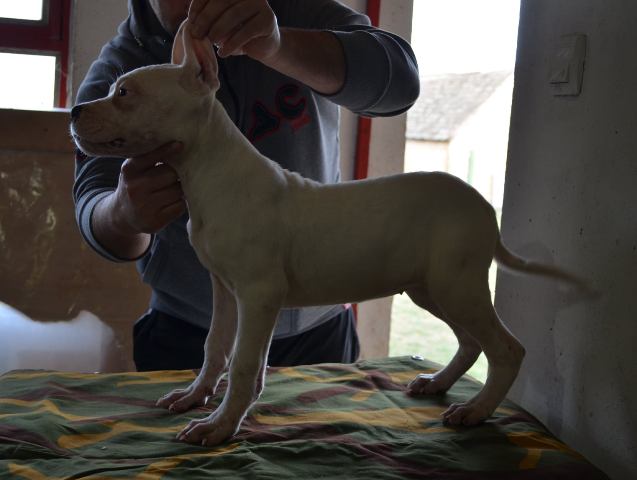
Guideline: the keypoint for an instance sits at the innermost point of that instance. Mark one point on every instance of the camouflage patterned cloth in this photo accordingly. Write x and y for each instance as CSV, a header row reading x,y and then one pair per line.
x,y
326,421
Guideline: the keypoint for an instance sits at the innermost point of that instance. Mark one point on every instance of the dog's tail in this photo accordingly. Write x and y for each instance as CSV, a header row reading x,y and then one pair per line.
x,y
516,264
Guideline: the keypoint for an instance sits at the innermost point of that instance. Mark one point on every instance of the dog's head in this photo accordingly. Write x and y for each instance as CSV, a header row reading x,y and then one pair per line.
x,y
152,105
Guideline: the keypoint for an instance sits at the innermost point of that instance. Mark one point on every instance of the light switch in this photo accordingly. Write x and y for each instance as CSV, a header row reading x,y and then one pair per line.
x,y
560,74
567,65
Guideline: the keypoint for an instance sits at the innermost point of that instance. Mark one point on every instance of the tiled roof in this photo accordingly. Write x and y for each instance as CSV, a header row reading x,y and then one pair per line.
x,y
446,101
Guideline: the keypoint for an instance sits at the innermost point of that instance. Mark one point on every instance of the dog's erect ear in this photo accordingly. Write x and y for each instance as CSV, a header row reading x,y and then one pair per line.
x,y
198,60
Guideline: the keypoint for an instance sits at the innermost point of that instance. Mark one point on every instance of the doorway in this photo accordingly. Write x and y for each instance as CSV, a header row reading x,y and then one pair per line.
x,y
460,124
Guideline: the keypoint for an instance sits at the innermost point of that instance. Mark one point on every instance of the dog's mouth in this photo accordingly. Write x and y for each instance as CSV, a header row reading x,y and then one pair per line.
x,y
118,142
117,147
115,143
112,147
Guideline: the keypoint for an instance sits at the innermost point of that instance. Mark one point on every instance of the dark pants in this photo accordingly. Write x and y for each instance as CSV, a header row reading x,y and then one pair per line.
x,y
163,342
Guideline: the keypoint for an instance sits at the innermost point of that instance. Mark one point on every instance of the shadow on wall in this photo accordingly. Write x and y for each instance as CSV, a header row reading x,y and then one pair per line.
x,y
546,338
83,344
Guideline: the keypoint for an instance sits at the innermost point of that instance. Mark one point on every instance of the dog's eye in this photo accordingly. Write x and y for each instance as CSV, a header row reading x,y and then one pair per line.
x,y
122,92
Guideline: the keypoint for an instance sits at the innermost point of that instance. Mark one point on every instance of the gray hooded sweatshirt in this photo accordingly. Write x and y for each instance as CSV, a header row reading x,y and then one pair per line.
x,y
284,119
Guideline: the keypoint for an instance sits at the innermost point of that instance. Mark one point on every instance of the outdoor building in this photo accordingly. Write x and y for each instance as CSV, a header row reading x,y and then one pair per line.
x,y
460,125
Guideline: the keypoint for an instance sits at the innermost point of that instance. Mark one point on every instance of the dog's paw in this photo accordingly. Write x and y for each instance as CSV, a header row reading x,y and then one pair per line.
x,y
210,431
182,399
427,384
466,413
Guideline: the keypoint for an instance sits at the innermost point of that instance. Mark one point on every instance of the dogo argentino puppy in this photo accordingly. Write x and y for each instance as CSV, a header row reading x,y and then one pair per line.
x,y
266,236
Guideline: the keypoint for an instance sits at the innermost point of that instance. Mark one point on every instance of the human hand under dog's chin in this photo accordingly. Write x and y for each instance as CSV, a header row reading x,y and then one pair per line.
x,y
148,195
237,27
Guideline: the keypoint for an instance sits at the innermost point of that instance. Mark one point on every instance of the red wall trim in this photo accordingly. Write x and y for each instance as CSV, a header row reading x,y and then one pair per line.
x,y
373,11
65,34
363,138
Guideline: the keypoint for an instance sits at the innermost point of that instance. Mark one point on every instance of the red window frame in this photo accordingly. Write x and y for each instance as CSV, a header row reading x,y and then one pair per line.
x,y
49,36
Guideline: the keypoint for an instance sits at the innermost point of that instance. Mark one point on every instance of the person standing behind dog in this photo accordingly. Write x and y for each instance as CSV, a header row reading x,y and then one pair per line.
x,y
285,66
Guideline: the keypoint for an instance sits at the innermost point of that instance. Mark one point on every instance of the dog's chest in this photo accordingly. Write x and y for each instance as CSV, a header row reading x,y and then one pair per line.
x,y
216,246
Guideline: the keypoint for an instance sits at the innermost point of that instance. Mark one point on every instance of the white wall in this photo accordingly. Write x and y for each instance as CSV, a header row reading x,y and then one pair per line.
x,y
571,198
95,22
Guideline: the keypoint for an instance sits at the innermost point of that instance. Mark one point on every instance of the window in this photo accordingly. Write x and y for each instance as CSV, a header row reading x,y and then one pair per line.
x,y
34,53
23,10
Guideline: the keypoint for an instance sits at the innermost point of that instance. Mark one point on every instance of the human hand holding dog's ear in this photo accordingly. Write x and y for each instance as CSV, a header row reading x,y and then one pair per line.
x,y
147,198
249,27
238,27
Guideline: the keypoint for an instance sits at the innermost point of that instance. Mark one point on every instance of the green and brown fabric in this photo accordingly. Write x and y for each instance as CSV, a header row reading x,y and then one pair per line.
x,y
326,421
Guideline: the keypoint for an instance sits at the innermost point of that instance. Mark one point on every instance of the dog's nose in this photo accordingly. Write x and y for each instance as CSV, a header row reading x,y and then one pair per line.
x,y
75,112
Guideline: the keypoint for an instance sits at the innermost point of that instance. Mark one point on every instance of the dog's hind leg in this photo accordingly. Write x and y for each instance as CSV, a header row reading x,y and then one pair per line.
x,y
467,303
466,355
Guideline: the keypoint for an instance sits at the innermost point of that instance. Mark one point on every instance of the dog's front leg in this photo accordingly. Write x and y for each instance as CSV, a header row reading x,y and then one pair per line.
x,y
258,310
218,351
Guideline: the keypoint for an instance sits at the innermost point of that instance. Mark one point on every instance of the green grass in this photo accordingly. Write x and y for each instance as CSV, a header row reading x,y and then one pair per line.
x,y
415,331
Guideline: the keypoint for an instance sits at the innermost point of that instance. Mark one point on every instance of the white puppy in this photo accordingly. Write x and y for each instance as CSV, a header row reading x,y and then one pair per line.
x,y
266,236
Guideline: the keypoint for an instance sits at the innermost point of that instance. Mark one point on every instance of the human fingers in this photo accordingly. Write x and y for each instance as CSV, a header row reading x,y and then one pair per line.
x,y
196,6
157,210
138,203
203,13
137,187
141,163
171,212
166,196
161,217
160,177
258,38
231,20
